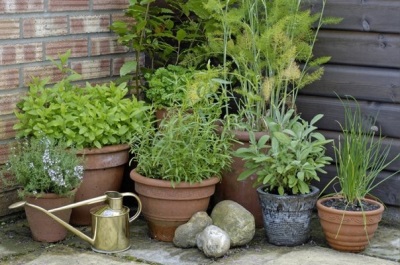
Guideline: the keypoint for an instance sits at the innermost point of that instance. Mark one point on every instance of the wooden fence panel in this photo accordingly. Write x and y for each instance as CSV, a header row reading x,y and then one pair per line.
x,y
363,83
387,115
371,15
359,48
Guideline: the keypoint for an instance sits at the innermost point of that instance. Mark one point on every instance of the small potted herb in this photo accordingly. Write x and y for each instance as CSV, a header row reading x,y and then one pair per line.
x,y
49,174
349,218
285,163
178,165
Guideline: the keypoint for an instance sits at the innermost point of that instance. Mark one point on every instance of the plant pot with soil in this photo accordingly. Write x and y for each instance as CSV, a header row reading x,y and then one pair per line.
x,y
348,218
97,120
285,162
49,175
178,165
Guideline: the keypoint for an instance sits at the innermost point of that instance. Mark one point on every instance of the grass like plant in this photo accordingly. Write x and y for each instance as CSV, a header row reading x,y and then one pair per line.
x,y
360,156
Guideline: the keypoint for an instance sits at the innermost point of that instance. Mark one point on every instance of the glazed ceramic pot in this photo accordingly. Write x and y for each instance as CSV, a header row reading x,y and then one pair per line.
x,y
103,171
287,218
349,231
43,227
165,207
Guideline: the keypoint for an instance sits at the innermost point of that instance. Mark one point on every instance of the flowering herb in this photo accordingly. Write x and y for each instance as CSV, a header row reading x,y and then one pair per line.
x,y
44,166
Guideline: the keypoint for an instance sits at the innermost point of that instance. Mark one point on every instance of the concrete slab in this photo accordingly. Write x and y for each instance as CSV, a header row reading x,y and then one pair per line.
x,y
17,247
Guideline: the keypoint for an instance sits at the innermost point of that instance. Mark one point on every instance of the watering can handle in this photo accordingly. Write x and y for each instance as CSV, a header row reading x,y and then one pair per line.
x,y
139,205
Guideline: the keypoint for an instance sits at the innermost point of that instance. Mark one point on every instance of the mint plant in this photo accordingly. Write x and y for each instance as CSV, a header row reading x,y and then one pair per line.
x,y
84,117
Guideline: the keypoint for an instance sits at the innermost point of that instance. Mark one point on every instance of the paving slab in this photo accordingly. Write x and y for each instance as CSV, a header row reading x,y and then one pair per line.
x,y
17,247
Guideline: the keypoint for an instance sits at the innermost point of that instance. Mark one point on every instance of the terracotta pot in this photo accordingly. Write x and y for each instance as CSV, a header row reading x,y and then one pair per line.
x,y
43,227
242,192
287,218
104,171
346,230
165,208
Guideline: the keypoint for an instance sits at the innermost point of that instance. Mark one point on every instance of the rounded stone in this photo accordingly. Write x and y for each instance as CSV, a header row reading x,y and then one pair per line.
x,y
185,235
213,241
235,220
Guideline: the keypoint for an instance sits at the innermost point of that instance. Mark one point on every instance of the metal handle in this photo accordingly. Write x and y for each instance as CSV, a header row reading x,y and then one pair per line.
x,y
81,203
139,205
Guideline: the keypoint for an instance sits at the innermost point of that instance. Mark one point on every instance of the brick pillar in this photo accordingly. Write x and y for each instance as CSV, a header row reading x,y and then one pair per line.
x,y
33,30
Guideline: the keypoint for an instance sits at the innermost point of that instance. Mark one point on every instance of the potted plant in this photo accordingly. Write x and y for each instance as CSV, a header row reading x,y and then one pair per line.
x,y
178,165
49,175
180,86
285,162
165,31
97,119
348,218
266,49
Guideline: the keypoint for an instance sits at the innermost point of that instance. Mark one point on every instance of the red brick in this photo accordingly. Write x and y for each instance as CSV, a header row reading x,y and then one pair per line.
x,y
4,152
20,53
6,128
78,47
117,64
9,29
110,4
92,69
68,5
8,102
21,6
121,17
107,45
10,79
89,24
42,72
43,27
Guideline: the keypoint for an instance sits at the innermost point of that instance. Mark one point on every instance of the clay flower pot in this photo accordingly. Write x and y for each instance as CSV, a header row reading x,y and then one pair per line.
x,y
242,192
165,208
104,171
347,230
43,227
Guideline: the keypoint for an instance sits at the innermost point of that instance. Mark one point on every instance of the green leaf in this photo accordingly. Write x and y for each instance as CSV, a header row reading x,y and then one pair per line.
x,y
181,35
282,138
247,173
128,67
281,190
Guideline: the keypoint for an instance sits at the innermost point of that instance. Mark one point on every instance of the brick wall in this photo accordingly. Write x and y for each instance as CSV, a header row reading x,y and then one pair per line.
x,y
33,30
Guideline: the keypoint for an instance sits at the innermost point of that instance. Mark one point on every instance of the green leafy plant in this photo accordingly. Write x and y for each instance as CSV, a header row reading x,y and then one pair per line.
x,y
43,165
294,157
177,85
360,156
92,116
185,148
164,32
266,49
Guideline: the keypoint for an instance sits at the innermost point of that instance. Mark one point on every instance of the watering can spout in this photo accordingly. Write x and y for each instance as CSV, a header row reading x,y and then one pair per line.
x,y
110,223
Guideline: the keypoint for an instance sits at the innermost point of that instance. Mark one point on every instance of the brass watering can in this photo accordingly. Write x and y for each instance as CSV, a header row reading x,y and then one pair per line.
x,y
110,222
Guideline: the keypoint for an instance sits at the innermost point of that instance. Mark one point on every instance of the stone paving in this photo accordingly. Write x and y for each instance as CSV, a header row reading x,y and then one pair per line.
x,y
17,247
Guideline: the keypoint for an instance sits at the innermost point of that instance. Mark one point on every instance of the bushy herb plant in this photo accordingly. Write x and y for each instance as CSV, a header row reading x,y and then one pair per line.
x,y
176,85
266,48
84,117
184,148
165,32
360,155
42,165
287,159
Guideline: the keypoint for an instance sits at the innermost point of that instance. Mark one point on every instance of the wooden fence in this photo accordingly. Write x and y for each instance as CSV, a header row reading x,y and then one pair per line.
x,y
365,63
